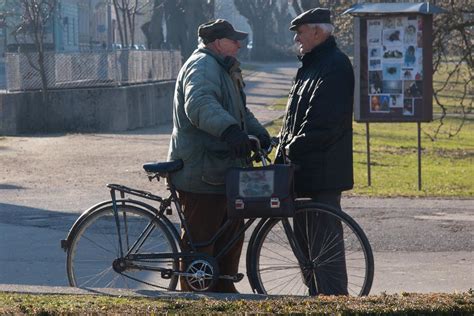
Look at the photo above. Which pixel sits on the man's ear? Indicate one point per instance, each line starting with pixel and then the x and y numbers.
pixel 316 31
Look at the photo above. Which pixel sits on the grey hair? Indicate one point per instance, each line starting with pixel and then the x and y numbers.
pixel 201 43
pixel 325 27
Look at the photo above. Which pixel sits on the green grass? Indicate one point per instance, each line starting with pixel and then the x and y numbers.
pixel 248 68
pixel 447 163
pixel 279 105
pixel 451 94
pixel 397 304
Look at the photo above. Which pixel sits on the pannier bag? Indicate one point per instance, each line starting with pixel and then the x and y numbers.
pixel 260 192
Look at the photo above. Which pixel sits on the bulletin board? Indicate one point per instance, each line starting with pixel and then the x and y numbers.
pixel 394 69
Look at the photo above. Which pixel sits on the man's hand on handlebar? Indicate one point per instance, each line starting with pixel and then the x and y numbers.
pixel 238 141
pixel 261 153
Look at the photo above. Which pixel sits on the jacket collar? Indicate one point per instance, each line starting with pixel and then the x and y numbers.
pixel 318 51
pixel 228 62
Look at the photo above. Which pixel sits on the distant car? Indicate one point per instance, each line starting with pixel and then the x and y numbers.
pixel 250 45
pixel 116 46
pixel 142 47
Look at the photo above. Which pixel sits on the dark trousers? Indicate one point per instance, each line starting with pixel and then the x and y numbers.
pixel 321 239
pixel 205 214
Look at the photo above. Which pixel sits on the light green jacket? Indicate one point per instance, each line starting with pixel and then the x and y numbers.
pixel 206 102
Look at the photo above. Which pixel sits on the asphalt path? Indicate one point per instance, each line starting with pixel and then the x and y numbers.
pixel 46 181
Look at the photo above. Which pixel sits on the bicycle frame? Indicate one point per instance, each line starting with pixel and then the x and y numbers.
pixel 130 256
pixel 165 204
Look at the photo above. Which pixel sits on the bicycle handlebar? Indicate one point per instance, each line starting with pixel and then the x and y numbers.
pixel 262 153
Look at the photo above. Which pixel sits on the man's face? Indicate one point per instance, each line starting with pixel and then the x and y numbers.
pixel 307 38
pixel 228 47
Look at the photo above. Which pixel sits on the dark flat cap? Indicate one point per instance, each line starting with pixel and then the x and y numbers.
pixel 316 15
pixel 217 29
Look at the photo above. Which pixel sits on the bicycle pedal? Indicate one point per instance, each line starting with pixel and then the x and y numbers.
pixel 238 277
pixel 167 274
pixel 234 278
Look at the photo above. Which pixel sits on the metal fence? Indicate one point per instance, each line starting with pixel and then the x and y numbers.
pixel 90 69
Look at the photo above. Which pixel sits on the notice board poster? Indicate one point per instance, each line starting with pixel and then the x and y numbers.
pixel 395 80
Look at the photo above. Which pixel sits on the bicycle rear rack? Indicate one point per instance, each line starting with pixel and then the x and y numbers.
pixel 144 194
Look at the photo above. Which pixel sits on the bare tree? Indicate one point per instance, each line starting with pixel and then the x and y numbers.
pixel 303 5
pixel 453 61
pixel 126 12
pixel 182 18
pixel 269 20
pixel 258 17
pixel 35 17
pixel 153 29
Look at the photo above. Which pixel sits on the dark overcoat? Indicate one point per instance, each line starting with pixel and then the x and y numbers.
pixel 317 128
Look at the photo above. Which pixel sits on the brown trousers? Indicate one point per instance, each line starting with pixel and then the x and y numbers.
pixel 205 214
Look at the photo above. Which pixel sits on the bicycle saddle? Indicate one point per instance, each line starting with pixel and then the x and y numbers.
pixel 163 167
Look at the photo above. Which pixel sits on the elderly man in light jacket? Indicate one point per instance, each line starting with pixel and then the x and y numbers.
pixel 211 124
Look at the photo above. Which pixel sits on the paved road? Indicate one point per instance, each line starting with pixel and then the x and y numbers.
pixel 420 245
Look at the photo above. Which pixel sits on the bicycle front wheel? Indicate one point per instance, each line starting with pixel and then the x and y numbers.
pixel 319 251
pixel 95 257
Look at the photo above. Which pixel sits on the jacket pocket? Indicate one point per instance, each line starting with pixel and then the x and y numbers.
pixel 183 149
pixel 214 167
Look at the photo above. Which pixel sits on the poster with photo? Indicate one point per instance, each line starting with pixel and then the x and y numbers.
pixel 379 104
pixel 417 103
pixel 392 54
pixel 408 74
pixel 375 52
pixel 420 23
pixel 410 31
pixel 391 71
pixel 392 37
pixel 413 89
pixel 392 22
pixel 392 86
pixel 410 56
pixel 419 39
pixel 375 64
pixel 374 32
pixel 375 82
pixel 396 101
pixel 419 58
pixel 408 107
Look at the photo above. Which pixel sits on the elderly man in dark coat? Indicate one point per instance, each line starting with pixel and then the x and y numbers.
pixel 317 131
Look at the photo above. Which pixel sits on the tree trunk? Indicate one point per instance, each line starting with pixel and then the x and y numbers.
pixel 124 23
pixel 153 30
pixel 182 20
pixel 119 24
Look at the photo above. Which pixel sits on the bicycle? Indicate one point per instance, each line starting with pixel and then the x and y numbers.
pixel 127 243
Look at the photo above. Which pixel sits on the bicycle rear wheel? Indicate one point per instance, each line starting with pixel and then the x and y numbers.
pixel 308 255
pixel 93 256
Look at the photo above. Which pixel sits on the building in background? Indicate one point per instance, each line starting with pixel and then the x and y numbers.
pixel 76 26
